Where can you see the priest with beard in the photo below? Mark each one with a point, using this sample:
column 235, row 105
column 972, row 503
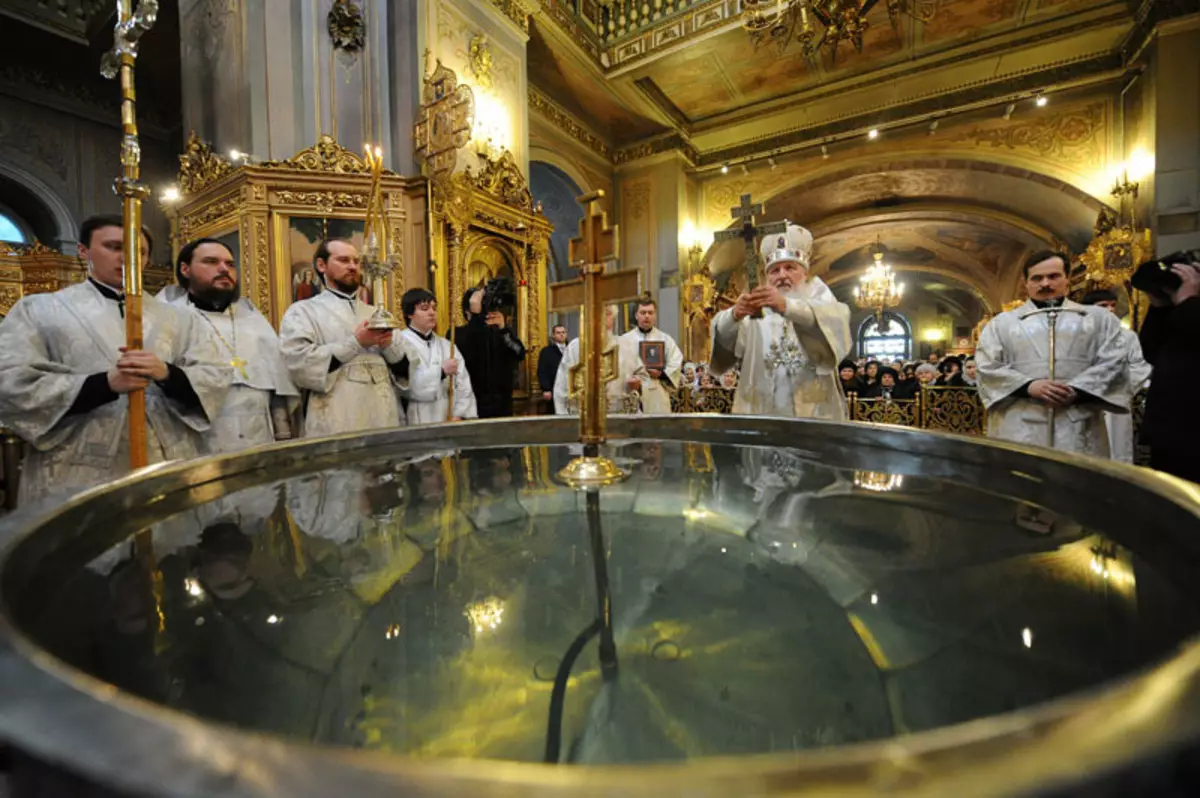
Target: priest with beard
column 65, row 373
column 787, row 337
column 352, row 373
column 261, row 401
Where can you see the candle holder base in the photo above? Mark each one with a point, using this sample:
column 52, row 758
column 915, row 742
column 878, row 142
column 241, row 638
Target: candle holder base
column 592, row 472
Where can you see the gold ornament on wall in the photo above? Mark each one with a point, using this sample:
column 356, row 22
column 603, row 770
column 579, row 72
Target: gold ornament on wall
column 479, row 60
column 324, row 156
column 199, row 166
column 445, row 121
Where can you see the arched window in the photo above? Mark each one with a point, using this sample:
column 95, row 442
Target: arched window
column 889, row 336
column 10, row 231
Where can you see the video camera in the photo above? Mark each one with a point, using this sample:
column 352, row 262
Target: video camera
column 499, row 293
column 1156, row 278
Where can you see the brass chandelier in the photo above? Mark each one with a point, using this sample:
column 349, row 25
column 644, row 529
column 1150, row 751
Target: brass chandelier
column 877, row 289
column 781, row 21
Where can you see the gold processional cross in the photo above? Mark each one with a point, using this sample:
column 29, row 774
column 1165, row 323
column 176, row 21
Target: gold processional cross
column 750, row 235
column 590, row 252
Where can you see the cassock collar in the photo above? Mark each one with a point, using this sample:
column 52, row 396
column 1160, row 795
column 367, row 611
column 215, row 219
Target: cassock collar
column 426, row 337
column 1048, row 303
column 645, row 332
column 348, row 297
column 108, row 292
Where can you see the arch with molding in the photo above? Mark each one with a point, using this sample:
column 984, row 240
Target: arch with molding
column 570, row 168
column 66, row 227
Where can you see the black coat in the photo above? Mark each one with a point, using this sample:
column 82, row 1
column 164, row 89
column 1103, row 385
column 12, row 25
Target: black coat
column 1170, row 340
column 491, row 355
column 548, row 362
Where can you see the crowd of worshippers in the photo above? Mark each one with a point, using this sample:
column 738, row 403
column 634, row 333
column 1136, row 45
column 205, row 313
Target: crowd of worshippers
column 896, row 379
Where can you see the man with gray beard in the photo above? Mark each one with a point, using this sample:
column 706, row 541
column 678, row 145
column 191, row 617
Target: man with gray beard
column 788, row 354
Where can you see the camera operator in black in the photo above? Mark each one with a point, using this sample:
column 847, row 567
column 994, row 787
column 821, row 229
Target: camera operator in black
column 1170, row 339
column 490, row 348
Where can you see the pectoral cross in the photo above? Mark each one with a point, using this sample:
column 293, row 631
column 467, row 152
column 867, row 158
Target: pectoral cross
column 750, row 234
column 240, row 365
column 590, row 252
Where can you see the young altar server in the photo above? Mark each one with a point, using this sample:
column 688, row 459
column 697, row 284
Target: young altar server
column 65, row 372
column 630, row 371
column 347, row 368
column 432, row 362
column 1090, row 376
column 788, row 357
column 655, row 391
column 1120, row 425
column 260, row 403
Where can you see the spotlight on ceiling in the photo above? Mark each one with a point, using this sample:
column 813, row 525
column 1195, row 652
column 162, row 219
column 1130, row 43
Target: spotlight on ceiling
column 1042, row 100
column 873, row 133
column 725, row 169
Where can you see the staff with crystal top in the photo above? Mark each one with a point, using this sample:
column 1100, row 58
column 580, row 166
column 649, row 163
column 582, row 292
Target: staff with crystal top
column 789, row 357
column 66, row 373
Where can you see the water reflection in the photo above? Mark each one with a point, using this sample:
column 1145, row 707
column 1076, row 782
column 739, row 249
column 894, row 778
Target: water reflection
column 760, row 600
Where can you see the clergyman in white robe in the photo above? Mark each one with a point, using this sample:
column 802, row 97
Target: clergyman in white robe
column 351, row 389
column 261, row 400
column 427, row 388
column 629, row 365
column 788, row 361
column 656, row 397
column 1089, row 357
column 55, row 352
column 1120, row 425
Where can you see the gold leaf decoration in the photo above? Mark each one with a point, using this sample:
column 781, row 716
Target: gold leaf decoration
column 199, row 166
column 324, row 156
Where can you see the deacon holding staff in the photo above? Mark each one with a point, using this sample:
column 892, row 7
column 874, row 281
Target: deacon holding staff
column 432, row 362
column 664, row 372
column 262, row 398
column 788, row 355
column 1051, row 368
column 65, row 373
column 347, row 368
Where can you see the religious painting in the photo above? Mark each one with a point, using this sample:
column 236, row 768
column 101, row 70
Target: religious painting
column 653, row 355
column 232, row 241
column 303, row 235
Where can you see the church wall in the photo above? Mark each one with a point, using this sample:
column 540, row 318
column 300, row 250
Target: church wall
column 1176, row 70
column 76, row 159
column 501, row 110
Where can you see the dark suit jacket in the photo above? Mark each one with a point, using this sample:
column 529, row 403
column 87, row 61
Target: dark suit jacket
column 548, row 362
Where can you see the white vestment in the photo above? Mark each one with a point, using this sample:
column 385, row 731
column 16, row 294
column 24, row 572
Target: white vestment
column 628, row 365
column 1089, row 357
column 258, row 407
column 1120, row 425
column 357, row 395
column 51, row 343
column 788, row 363
column 427, row 393
column 655, row 396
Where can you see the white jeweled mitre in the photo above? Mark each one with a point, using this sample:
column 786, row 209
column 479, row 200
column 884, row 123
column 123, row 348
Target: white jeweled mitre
column 794, row 244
